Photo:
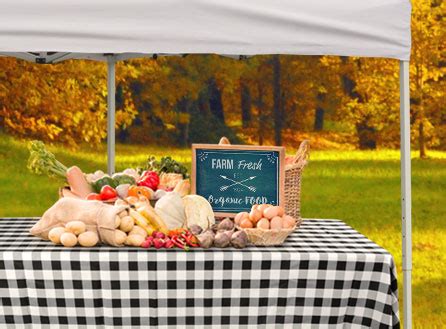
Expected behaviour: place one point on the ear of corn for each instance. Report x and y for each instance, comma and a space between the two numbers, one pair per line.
142, 222
153, 219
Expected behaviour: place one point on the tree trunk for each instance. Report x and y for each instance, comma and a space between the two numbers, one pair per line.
319, 119
215, 102
277, 100
261, 117
319, 114
183, 124
367, 135
421, 132
422, 140
245, 103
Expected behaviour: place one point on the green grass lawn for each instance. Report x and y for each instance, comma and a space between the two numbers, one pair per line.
359, 187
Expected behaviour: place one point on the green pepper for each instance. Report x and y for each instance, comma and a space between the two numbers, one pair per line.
101, 182
124, 179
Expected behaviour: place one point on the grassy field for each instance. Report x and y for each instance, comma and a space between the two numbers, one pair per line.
361, 188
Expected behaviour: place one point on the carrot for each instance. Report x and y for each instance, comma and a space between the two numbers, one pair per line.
78, 182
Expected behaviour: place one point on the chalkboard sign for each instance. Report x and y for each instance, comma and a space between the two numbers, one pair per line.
234, 177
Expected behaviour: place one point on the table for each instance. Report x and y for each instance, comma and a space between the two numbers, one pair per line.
326, 275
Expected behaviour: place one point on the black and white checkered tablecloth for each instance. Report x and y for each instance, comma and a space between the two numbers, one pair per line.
326, 275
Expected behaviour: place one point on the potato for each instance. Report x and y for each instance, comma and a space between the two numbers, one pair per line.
262, 207
263, 224
288, 221
138, 231
134, 240
76, 227
271, 212
255, 215
68, 239
276, 223
127, 224
120, 237
246, 223
55, 233
88, 239
117, 221
240, 216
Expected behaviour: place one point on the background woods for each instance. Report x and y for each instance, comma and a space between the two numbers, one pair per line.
264, 99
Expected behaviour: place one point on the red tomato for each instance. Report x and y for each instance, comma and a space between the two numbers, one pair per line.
108, 192
93, 196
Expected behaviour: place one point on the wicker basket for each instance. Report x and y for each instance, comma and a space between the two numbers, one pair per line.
261, 237
293, 177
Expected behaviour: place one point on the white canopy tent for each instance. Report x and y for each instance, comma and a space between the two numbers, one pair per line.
50, 31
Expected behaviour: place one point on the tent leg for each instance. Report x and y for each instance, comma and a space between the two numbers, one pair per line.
111, 90
406, 192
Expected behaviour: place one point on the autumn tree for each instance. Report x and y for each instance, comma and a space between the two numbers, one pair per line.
58, 103
428, 69
261, 99
372, 85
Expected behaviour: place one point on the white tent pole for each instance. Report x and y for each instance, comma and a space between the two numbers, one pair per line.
111, 91
406, 192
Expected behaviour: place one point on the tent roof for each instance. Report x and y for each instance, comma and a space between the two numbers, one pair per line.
92, 28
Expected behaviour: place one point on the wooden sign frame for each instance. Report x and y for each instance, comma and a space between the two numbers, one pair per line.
279, 149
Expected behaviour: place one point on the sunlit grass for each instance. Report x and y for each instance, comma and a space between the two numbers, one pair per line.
360, 187
381, 155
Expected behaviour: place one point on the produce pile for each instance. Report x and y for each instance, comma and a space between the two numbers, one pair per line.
153, 182
158, 210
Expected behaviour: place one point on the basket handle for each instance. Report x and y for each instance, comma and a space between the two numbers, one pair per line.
224, 141
302, 155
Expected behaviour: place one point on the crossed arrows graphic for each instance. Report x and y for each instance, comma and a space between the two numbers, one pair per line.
234, 182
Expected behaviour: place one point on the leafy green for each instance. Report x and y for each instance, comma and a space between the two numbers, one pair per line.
41, 161
166, 165
121, 178
99, 183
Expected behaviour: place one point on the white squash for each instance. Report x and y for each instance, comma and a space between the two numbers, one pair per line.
171, 210
198, 211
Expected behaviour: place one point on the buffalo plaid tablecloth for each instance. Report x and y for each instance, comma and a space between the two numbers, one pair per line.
326, 275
